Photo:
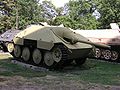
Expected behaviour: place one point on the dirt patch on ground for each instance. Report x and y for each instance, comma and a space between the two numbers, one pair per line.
48, 83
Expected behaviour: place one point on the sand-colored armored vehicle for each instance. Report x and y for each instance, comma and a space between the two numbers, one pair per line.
51, 46
109, 37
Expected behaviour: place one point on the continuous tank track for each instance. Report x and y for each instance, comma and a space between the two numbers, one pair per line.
55, 58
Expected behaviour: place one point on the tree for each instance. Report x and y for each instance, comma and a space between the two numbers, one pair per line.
19, 13
49, 11
6, 15
81, 11
80, 15
109, 12
29, 11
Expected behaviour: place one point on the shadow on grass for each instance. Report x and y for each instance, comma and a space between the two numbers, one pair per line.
9, 69
92, 71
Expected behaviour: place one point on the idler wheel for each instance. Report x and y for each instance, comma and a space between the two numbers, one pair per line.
48, 60
114, 55
10, 47
26, 54
107, 54
80, 61
37, 56
97, 53
17, 51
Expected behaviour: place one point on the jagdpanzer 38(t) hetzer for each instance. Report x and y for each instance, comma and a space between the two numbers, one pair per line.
51, 46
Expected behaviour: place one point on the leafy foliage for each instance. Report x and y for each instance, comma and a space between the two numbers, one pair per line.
21, 12
49, 10
28, 12
109, 12
77, 14
6, 15
80, 16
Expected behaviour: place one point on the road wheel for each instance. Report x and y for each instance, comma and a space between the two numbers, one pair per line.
57, 54
26, 54
97, 53
56, 57
48, 60
107, 54
80, 61
17, 51
37, 56
114, 55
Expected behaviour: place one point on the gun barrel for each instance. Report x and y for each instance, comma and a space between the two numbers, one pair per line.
95, 44
74, 38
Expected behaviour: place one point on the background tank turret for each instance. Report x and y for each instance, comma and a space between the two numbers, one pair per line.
51, 46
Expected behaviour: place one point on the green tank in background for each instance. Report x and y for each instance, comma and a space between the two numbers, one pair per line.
51, 46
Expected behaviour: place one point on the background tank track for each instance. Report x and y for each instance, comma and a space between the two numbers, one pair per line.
111, 55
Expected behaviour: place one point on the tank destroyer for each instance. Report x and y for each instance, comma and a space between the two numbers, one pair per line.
51, 46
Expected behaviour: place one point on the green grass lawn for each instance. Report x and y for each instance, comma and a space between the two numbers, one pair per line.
97, 72
10, 69
93, 71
